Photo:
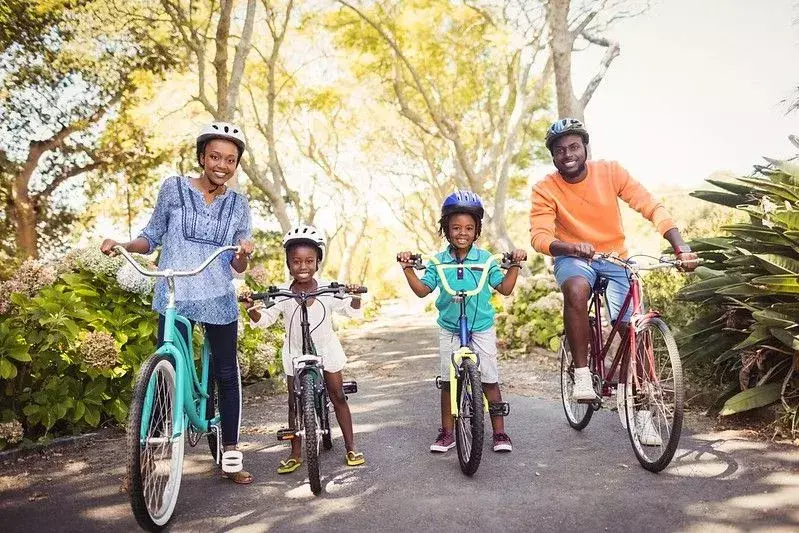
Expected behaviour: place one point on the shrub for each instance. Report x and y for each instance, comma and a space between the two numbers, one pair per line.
533, 316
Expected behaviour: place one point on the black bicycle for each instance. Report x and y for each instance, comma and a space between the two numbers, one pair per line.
311, 402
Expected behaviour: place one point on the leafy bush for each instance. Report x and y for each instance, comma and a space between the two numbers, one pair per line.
73, 334
749, 325
533, 316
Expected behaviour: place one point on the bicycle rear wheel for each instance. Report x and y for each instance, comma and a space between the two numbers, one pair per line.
654, 396
155, 460
311, 423
578, 415
469, 427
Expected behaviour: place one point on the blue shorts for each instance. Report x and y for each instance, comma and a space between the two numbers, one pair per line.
568, 267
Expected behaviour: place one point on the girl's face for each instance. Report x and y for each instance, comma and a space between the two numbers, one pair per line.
462, 231
302, 263
219, 161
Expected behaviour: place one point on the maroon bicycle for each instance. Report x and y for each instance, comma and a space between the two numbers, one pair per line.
649, 387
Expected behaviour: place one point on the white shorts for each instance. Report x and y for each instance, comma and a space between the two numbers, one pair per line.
483, 343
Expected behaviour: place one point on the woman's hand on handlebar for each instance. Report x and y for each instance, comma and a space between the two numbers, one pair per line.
245, 249
107, 247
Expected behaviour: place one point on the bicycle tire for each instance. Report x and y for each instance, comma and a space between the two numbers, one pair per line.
469, 427
578, 415
327, 437
311, 423
657, 397
153, 497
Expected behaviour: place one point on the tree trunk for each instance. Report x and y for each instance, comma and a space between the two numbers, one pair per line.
561, 43
350, 243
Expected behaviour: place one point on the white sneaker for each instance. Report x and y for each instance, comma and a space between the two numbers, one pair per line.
583, 385
647, 433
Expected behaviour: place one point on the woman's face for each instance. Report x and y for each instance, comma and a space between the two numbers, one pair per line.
219, 161
302, 261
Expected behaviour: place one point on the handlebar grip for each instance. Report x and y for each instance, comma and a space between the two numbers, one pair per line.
259, 296
358, 290
412, 258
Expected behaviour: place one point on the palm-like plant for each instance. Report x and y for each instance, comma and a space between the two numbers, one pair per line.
749, 288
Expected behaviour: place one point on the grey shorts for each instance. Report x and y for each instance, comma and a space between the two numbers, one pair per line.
483, 343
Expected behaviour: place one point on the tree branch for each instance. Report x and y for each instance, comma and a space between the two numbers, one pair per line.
612, 52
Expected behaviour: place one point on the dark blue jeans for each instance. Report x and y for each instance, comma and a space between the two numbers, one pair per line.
224, 368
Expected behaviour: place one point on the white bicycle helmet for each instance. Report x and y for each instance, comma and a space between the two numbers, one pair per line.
220, 130
306, 235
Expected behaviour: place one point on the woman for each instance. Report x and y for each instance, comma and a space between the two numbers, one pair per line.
192, 217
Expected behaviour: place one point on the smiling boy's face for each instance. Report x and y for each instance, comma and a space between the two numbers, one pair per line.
462, 231
302, 262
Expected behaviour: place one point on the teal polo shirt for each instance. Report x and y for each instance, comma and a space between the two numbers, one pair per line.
479, 311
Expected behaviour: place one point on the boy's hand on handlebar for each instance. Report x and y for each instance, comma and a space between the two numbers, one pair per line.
518, 255
688, 261
107, 247
404, 259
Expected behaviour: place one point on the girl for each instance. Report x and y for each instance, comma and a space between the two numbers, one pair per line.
461, 222
192, 217
304, 251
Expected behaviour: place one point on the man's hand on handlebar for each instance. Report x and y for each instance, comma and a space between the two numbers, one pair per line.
582, 249
688, 261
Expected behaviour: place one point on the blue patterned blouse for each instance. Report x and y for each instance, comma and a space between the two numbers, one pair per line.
188, 231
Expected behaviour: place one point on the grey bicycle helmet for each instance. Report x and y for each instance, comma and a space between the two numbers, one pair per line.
565, 126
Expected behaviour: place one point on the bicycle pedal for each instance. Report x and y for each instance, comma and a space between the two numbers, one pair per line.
499, 409
350, 387
438, 382
285, 434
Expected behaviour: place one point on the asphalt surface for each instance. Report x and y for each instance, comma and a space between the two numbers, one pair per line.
556, 479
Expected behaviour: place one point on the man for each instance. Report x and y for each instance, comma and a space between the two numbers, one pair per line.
575, 214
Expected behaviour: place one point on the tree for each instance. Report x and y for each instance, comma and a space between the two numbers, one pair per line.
457, 76
69, 75
587, 20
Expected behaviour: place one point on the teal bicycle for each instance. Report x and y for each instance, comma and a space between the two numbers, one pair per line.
170, 401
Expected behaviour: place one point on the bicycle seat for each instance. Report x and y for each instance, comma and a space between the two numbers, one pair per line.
601, 284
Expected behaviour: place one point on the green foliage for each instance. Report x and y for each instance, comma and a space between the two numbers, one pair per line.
68, 354
749, 321
534, 316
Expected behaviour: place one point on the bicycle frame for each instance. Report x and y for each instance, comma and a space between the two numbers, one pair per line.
464, 352
626, 349
191, 389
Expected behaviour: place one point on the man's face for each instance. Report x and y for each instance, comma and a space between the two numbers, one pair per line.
568, 154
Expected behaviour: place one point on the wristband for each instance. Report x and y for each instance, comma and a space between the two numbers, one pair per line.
682, 249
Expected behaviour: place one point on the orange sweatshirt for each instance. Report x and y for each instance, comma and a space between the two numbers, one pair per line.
589, 211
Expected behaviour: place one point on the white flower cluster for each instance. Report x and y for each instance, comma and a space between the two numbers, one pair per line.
96, 262
11, 432
29, 279
244, 364
544, 282
97, 349
260, 360
131, 280
551, 303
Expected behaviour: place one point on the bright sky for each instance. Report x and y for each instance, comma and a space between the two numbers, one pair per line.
697, 88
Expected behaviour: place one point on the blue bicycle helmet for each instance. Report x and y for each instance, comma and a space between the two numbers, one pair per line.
565, 126
463, 202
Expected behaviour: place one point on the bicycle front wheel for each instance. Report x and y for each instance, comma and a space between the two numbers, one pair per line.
654, 396
155, 459
469, 427
311, 423
578, 415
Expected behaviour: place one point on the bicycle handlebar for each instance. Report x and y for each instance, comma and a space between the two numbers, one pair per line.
274, 292
505, 261
662, 262
169, 273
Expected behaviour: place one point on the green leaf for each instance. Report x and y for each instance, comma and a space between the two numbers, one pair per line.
92, 416
786, 337
722, 198
19, 353
783, 284
7, 369
759, 335
733, 187
752, 399
779, 264
80, 410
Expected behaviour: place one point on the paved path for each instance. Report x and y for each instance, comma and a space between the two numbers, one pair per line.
556, 479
